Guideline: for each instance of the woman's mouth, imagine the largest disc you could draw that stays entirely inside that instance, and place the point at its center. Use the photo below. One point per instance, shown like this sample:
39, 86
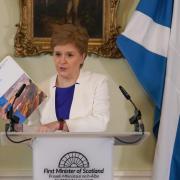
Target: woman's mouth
62, 68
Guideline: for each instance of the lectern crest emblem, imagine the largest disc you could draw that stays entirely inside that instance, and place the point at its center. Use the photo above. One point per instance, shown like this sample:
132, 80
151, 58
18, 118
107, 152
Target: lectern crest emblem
73, 160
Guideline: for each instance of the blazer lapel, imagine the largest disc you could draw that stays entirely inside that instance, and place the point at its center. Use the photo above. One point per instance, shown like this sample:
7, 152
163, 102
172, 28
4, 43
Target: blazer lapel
75, 107
52, 109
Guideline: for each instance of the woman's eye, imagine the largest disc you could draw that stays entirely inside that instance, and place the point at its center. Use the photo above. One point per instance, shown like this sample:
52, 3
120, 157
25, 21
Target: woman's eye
69, 55
57, 54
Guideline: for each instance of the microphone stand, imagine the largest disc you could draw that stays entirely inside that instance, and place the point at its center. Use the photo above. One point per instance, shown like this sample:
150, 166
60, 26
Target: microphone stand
13, 119
12, 126
136, 118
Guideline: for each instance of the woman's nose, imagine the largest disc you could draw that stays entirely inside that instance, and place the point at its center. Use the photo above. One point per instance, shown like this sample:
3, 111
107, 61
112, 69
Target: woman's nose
62, 59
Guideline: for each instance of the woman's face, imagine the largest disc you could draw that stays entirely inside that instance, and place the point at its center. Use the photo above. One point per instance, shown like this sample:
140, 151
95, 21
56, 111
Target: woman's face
67, 59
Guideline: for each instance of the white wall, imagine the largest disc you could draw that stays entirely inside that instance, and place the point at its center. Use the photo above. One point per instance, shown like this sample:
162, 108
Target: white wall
17, 158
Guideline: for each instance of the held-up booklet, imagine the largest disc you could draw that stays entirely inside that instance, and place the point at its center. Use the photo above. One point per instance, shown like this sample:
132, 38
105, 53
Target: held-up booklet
14, 80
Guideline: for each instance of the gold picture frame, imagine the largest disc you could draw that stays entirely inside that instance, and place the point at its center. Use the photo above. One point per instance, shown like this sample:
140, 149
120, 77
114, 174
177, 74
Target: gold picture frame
30, 41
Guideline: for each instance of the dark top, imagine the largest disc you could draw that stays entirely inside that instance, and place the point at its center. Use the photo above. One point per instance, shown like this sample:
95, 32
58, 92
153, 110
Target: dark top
63, 101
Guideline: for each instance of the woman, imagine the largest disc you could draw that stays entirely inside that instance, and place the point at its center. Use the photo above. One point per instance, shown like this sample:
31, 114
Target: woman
78, 100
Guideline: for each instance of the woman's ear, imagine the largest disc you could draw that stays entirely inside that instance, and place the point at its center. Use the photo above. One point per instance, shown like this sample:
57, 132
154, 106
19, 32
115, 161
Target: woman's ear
83, 57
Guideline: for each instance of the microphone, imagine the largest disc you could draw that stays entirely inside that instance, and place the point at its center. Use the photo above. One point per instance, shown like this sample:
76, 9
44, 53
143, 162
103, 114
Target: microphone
127, 96
10, 113
21, 89
136, 118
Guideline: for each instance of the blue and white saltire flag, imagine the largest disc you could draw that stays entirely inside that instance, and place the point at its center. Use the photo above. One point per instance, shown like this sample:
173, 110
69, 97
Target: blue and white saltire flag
151, 45
167, 155
144, 43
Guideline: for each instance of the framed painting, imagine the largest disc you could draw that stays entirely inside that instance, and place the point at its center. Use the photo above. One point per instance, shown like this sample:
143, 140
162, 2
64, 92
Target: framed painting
39, 18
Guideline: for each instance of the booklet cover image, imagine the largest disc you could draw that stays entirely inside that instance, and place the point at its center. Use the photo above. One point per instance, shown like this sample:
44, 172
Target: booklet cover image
12, 78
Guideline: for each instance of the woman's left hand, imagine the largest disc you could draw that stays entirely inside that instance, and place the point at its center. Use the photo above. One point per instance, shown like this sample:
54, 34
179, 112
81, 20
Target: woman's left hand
51, 127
